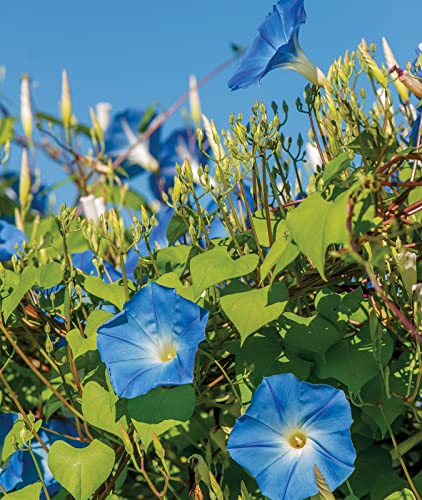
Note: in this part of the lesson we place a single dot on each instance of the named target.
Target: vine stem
(396, 447)
(38, 373)
(22, 412)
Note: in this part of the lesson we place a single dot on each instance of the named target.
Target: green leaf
(100, 410)
(31, 492)
(281, 254)
(316, 224)
(171, 280)
(95, 320)
(26, 281)
(112, 292)
(353, 362)
(13, 438)
(160, 410)
(49, 275)
(405, 494)
(174, 259)
(250, 310)
(79, 344)
(81, 470)
(7, 131)
(216, 265)
(375, 392)
(261, 227)
(309, 338)
(335, 166)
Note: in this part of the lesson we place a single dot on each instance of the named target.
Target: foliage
(315, 279)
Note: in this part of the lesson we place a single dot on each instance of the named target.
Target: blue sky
(136, 52)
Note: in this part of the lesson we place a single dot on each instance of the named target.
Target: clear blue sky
(135, 52)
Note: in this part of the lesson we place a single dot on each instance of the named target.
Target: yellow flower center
(297, 440)
(167, 353)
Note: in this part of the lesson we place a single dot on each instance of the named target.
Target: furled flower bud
(373, 67)
(103, 112)
(66, 102)
(413, 84)
(25, 180)
(392, 63)
(26, 111)
(93, 207)
(194, 102)
(98, 131)
(213, 138)
(407, 266)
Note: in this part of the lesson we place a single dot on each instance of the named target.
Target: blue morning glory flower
(10, 235)
(277, 46)
(122, 133)
(289, 427)
(152, 342)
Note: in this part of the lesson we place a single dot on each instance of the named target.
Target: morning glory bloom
(10, 235)
(152, 342)
(277, 46)
(122, 133)
(290, 427)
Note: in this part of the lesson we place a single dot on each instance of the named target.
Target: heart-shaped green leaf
(99, 408)
(160, 410)
(81, 470)
(31, 492)
(216, 265)
(316, 224)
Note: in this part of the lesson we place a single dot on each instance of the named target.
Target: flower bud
(213, 138)
(413, 84)
(26, 111)
(66, 102)
(98, 131)
(373, 67)
(407, 266)
(89, 206)
(392, 63)
(194, 102)
(103, 112)
(25, 181)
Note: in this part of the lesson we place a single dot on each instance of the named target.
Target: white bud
(194, 102)
(103, 112)
(26, 111)
(92, 207)
(66, 102)
(407, 266)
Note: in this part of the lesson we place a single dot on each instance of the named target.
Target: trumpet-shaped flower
(290, 427)
(277, 46)
(152, 342)
(10, 236)
(123, 134)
